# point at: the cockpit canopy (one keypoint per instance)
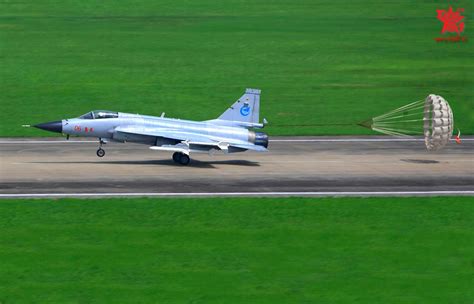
(99, 114)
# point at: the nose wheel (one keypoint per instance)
(101, 152)
(181, 158)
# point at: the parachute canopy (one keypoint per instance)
(431, 118)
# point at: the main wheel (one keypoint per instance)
(176, 156)
(100, 152)
(184, 159)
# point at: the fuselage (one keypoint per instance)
(227, 133)
(105, 126)
(230, 132)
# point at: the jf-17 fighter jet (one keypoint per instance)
(229, 133)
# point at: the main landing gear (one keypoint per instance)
(101, 152)
(181, 158)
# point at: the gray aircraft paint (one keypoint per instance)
(230, 132)
(106, 128)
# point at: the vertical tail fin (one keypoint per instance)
(246, 109)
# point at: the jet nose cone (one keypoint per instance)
(53, 126)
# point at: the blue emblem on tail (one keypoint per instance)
(245, 110)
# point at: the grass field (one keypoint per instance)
(348, 250)
(322, 66)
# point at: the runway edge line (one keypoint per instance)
(243, 194)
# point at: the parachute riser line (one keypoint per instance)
(397, 112)
(403, 108)
(402, 130)
(397, 134)
(400, 116)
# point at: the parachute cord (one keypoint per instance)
(394, 117)
(399, 130)
(314, 125)
(407, 107)
(397, 121)
(391, 133)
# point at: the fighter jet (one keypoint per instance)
(229, 133)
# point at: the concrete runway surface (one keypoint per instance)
(298, 166)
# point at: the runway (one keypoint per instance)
(295, 166)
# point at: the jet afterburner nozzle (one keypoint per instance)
(261, 139)
(53, 126)
(258, 138)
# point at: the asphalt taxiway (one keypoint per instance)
(316, 166)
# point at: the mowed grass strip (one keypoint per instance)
(291, 250)
(322, 66)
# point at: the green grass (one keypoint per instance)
(326, 65)
(345, 250)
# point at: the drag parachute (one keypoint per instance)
(431, 118)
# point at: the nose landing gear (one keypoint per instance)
(181, 158)
(101, 152)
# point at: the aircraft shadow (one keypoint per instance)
(163, 162)
(420, 161)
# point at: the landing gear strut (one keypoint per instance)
(101, 152)
(181, 158)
